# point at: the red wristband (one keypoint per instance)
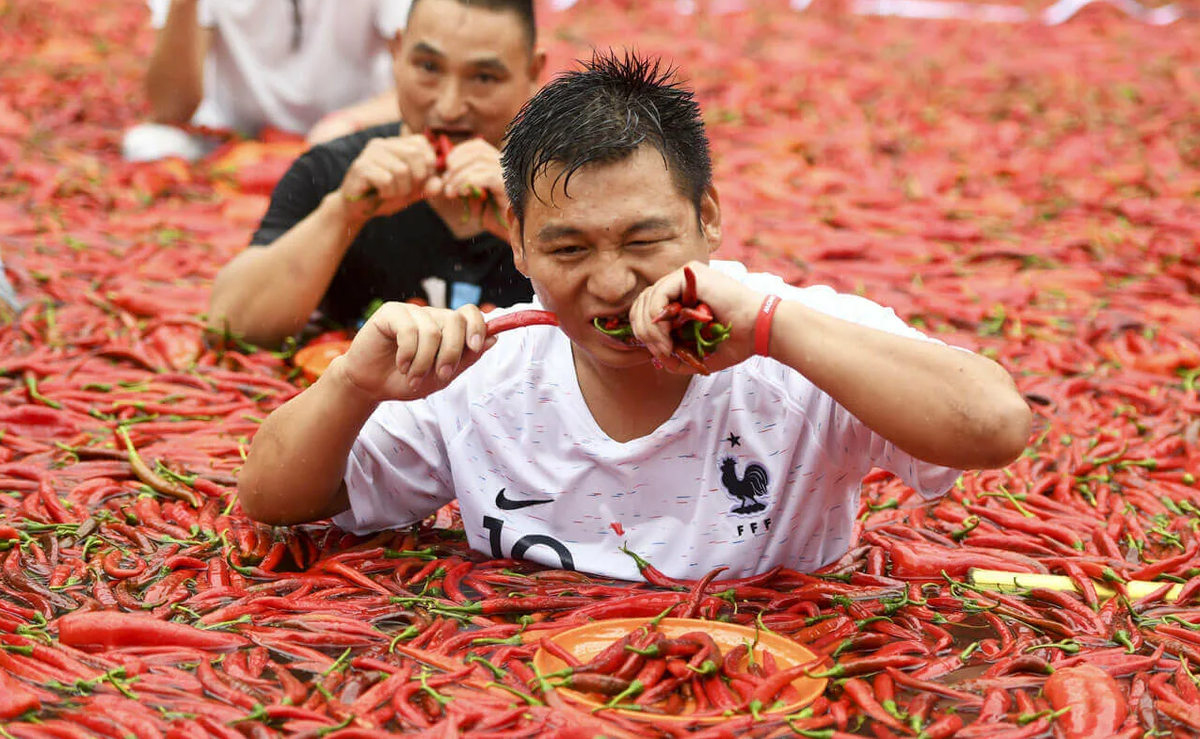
(762, 325)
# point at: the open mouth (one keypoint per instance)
(616, 329)
(456, 135)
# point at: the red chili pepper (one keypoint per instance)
(520, 319)
(15, 698)
(688, 299)
(110, 629)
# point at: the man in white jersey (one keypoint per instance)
(549, 436)
(312, 67)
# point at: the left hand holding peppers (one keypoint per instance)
(733, 305)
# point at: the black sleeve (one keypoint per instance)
(318, 172)
(297, 194)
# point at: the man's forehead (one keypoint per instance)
(645, 164)
(436, 22)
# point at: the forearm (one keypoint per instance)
(294, 471)
(939, 404)
(175, 78)
(268, 293)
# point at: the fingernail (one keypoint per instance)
(404, 368)
(444, 371)
(475, 341)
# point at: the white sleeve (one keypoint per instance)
(160, 8)
(398, 471)
(391, 16)
(857, 441)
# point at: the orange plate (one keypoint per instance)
(585, 642)
(315, 358)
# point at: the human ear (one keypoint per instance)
(710, 218)
(537, 64)
(515, 239)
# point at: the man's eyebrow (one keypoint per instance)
(491, 63)
(560, 231)
(649, 224)
(557, 231)
(424, 47)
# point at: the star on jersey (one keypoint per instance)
(733, 439)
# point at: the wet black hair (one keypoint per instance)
(601, 114)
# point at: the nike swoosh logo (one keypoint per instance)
(508, 504)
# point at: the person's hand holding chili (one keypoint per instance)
(388, 176)
(406, 352)
(734, 307)
(473, 175)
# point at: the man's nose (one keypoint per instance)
(451, 105)
(612, 280)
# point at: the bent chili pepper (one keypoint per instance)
(520, 319)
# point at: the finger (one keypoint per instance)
(430, 333)
(476, 326)
(416, 146)
(656, 336)
(381, 180)
(434, 186)
(356, 187)
(418, 161)
(450, 351)
(465, 183)
(395, 322)
(475, 150)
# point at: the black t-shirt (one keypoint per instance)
(392, 255)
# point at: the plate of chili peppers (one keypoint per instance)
(679, 669)
(695, 332)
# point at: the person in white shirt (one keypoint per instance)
(312, 67)
(563, 445)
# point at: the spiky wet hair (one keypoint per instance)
(602, 114)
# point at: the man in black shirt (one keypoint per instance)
(382, 214)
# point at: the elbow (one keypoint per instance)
(232, 313)
(170, 105)
(250, 497)
(1004, 434)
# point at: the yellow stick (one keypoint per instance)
(1011, 582)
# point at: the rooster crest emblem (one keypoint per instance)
(747, 489)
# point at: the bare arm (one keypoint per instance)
(293, 473)
(175, 78)
(266, 294)
(937, 403)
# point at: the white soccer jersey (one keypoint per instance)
(756, 468)
(255, 75)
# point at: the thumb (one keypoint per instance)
(434, 186)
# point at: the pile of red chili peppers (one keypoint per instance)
(1028, 193)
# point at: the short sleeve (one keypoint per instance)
(398, 472)
(160, 8)
(391, 16)
(297, 194)
(857, 444)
